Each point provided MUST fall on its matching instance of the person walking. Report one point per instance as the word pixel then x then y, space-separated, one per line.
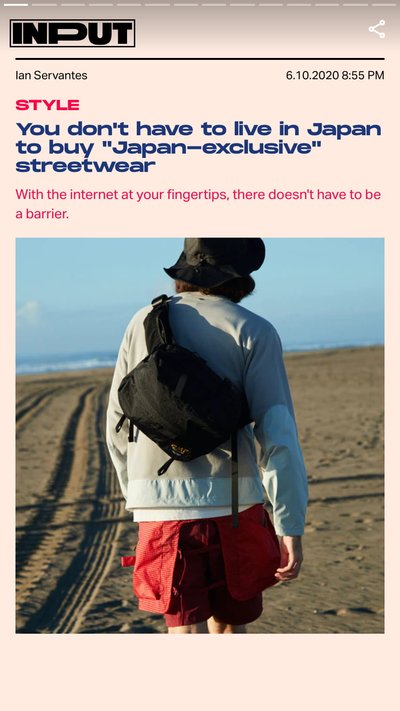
pixel 191 564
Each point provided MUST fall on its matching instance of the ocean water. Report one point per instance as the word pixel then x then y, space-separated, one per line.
pixel 57 363
pixel 35 365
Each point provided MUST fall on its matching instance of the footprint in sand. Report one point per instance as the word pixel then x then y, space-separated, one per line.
pixel 343 611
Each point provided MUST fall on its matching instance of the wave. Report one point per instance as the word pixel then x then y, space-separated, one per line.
pixel 299 348
pixel 55 363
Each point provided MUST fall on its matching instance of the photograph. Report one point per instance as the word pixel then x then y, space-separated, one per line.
pixel 200 435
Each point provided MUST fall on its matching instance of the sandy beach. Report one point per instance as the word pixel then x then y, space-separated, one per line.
pixel 72 526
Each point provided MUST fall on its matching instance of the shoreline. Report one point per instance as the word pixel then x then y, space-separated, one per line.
pixel 287 355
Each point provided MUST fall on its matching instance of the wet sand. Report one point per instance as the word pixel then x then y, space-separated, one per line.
pixel 72 526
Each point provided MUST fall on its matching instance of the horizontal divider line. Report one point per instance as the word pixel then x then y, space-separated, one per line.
pixel 200 59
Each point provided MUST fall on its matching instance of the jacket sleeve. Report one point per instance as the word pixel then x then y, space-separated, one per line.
pixel 117 442
pixel 281 461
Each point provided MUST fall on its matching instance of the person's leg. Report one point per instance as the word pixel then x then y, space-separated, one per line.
pixel 199 628
pixel 215 626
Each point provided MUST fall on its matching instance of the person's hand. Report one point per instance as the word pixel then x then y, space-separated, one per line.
pixel 291 558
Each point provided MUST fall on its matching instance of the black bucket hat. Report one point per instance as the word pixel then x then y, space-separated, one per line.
pixel 211 262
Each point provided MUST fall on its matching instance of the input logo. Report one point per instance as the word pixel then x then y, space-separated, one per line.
pixel 72 33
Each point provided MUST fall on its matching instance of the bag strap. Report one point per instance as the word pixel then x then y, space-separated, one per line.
pixel 119 424
pixel 235 480
pixel 156 324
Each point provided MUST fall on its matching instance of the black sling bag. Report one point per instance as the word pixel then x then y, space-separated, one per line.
pixel 179 402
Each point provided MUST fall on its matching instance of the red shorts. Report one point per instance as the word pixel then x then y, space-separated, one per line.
pixel 192 570
pixel 199 589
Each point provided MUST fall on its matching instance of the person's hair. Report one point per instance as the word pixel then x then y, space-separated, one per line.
pixel 234 289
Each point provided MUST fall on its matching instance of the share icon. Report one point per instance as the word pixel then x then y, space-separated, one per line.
pixel 381 35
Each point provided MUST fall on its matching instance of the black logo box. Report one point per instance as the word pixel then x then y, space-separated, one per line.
pixel 76 44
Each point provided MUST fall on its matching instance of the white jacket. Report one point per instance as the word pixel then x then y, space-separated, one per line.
pixel 245 348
